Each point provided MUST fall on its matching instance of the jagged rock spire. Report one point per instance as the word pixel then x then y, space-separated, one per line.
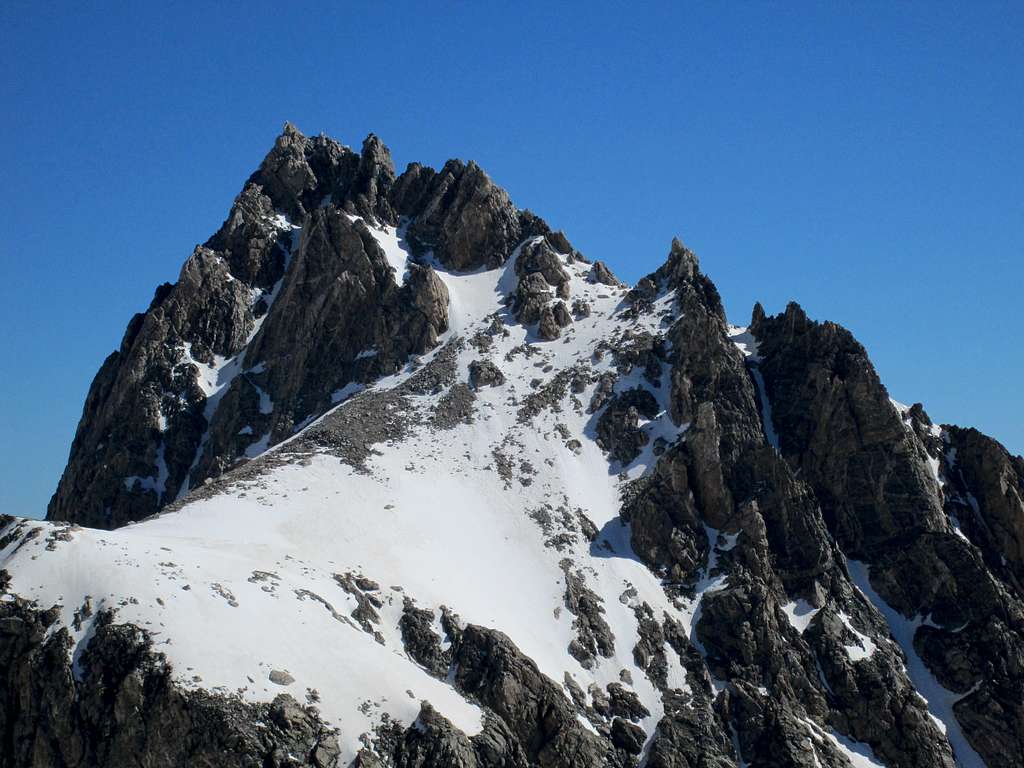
pixel 756 317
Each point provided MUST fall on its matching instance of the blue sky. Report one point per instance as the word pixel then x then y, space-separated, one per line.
pixel 865 159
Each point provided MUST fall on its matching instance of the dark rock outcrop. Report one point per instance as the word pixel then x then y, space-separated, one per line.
pixel 870 471
pixel 989 486
pixel 533 722
pixel 432 741
pixel 493 671
pixel 420 641
pixel 542 277
pixel 600 273
pixel 459 214
pixel 593 635
pixel 484 373
pixel 835 419
pixel 691 737
pixel 117 706
pixel 618 430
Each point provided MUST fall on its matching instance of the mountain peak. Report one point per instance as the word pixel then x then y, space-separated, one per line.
pixel 421 465
pixel 290 131
pixel 375 149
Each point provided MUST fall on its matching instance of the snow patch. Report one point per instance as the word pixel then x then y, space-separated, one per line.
pixel 156 483
pixel 350 389
pixel 864 648
pixel 800 613
pixel 745 341
pixel 859 754
pixel 392 241
pixel 940 700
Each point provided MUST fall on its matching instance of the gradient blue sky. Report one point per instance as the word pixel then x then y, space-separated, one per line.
pixel 865 159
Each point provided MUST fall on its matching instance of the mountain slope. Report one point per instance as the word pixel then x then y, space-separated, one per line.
pixel 512 512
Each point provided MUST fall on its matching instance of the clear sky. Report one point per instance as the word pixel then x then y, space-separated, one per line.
pixel 865 159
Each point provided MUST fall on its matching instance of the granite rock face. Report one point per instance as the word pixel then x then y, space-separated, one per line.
pixel 460 214
pixel 893 489
pixel 984 475
pixel 836 423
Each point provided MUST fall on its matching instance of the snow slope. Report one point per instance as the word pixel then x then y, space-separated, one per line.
pixel 242 584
